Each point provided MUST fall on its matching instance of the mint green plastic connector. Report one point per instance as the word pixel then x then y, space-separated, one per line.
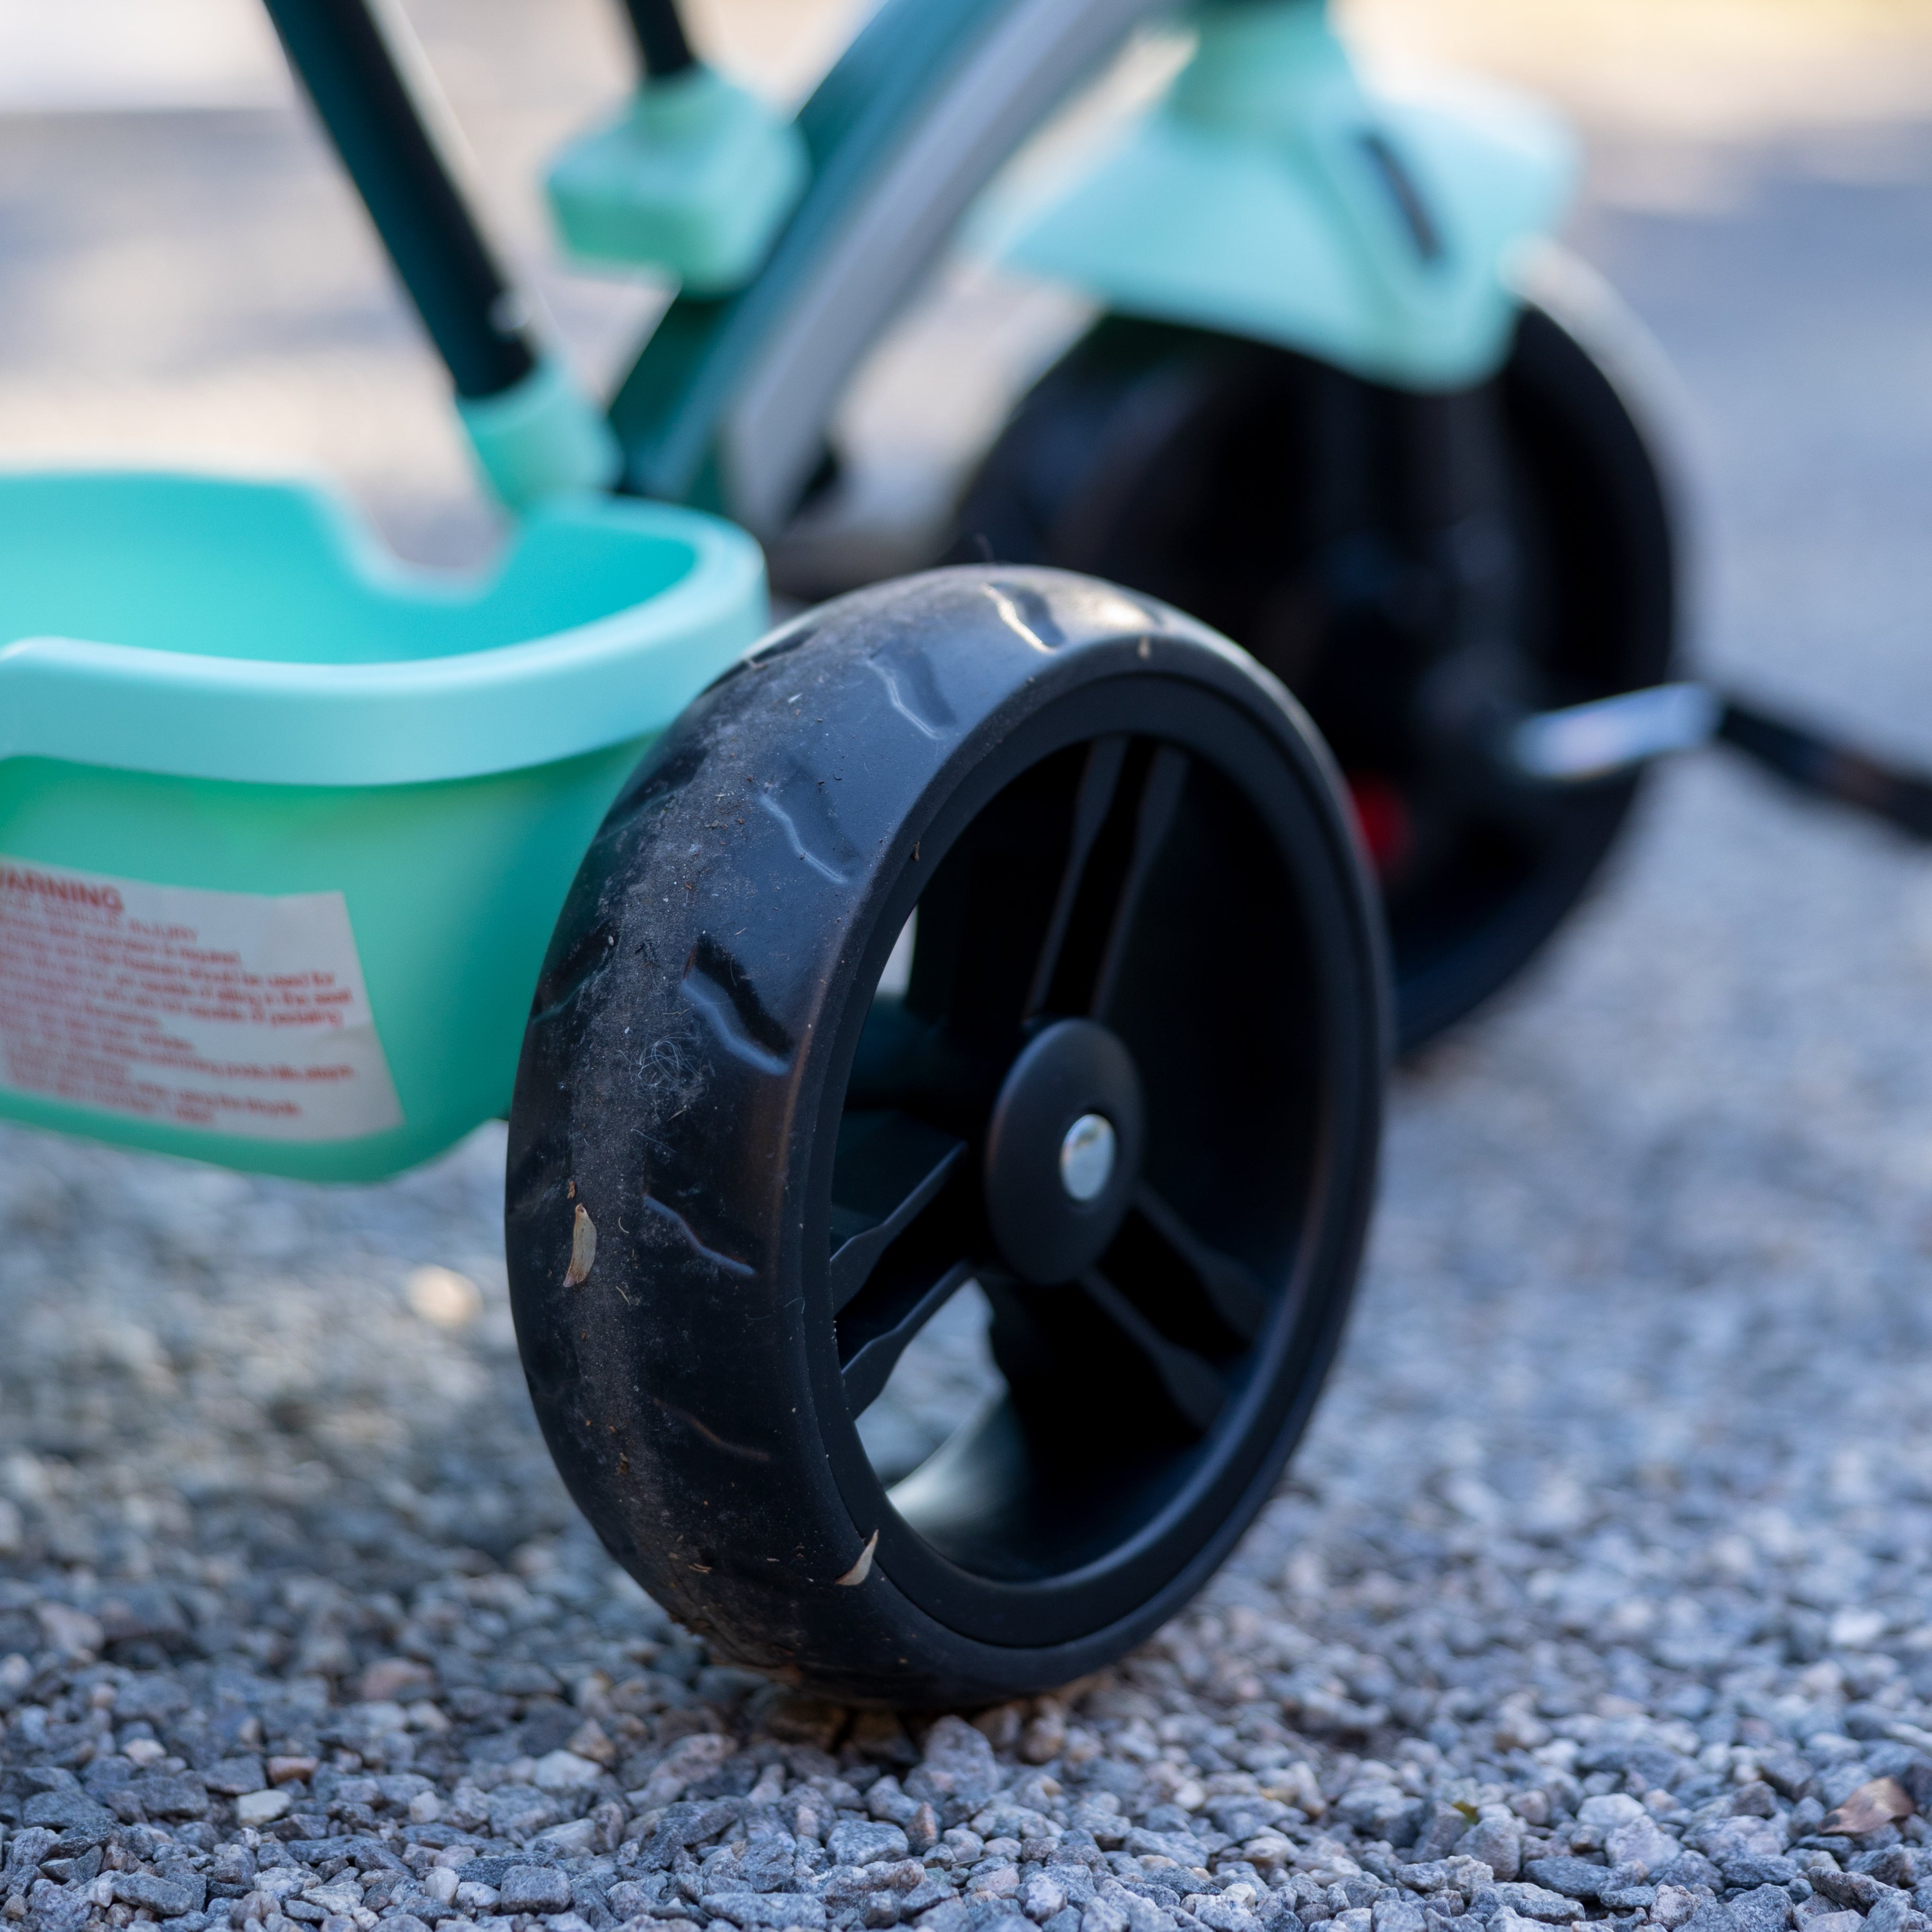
pixel 1280 193
pixel 543 437
pixel 695 177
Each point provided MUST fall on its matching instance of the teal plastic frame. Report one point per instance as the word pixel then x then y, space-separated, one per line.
pixel 1398 218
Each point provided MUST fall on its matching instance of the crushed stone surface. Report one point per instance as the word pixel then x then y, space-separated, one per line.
pixel 1601 1590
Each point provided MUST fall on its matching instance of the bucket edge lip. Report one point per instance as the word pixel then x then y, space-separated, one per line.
pixel 414 721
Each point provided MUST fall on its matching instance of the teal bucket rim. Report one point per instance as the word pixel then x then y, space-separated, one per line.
pixel 408 720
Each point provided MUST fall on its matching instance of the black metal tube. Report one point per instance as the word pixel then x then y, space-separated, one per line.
pixel 1828 768
pixel 433 240
pixel 662 45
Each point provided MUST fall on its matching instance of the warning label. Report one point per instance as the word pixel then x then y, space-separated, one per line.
pixel 239 1013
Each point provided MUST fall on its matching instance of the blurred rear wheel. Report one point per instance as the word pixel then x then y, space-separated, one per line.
pixel 1416 568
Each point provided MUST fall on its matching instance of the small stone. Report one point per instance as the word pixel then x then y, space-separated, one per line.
pixel 395 1680
pixel 286 1770
pixel 865 1842
pixel 958 1772
pixel 1442 1830
pixel 52 1908
pixel 341 1898
pixel 68 1811
pixel 686 1762
pixel 1894 1865
pixel 933 1889
pixel 1854 1891
pixel 565 1771
pixel 1689 1869
pixel 1574 1878
pixel 256 1808
pixel 165 1795
pixel 1042 1897
pixel 1640 1841
pixel 590 1740
pixel 70 1630
pixel 1535 1901
pixel 996 1879
pixel 1766 1909
pixel 1398 1915
pixel 1894 1912
pixel 574 1838
pixel 521 1811
pixel 1045 1737
pixel 1225 1915
pixel 1786 1773
pixel 166 1898
pixel 766 1911
pixel 1627 1898
pixel 1496 1841
pixel 1605 1812
pixel 1742 1873
pixel 235 1776
pixel 537 1889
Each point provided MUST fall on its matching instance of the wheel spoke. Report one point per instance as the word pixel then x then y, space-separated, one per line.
pixel 1091 943
pixel 1189 1380
pixel 1159 801
pixel 903 1209
pixel 1237 1300
pixel 889 1168
pixel 1099 780
pixel 901 1297
pixel 983 910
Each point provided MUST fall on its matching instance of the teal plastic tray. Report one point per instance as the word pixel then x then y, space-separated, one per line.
pixel 285 823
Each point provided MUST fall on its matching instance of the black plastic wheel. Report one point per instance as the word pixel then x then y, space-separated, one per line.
pixel 1130 1084
pixel 1416 568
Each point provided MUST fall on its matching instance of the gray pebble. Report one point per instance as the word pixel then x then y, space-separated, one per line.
pixel 863 1842
pixel 537 1889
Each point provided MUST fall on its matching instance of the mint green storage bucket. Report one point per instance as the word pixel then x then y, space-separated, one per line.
pixel 285 824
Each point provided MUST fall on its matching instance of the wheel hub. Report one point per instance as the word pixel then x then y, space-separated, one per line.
pixel 1063 1151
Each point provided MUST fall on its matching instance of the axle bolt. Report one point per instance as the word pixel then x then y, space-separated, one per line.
pixel 1087 1156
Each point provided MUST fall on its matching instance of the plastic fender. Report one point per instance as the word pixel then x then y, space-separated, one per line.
pixel 1278 193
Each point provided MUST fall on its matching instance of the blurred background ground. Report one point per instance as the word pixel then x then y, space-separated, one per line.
pixel 1635 1400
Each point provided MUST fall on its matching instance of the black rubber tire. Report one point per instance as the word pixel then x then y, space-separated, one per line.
pixel 706 1057
pixel 1324 522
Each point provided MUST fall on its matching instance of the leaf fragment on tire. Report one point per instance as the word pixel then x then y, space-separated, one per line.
pixel 861 1570
pixel 1868 1807
pixel 582 1249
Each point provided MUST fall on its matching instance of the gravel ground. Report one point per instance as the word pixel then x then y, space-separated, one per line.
pixel 1603 1580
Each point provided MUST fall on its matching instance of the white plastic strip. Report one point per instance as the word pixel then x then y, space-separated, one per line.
pixel 1613 734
